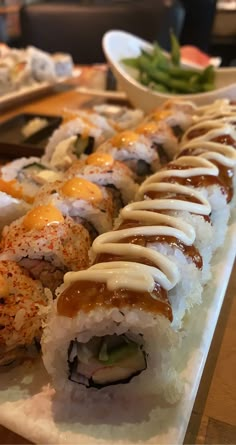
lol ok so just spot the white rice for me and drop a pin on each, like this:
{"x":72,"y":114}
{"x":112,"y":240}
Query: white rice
{"x":188,"y":290}
{"x":159,"y":342}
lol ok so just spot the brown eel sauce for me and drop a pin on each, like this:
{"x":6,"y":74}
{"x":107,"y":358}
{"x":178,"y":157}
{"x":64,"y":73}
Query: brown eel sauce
{"x":88,"y":295}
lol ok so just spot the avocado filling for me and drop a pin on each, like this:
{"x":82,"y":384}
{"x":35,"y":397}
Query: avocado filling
{"x":83,"y":145}
{"x":104,"y":361}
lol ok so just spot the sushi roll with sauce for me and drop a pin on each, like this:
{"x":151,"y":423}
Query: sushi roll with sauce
{"x":177,"y":114}
{"x":20,"y":180}
{"x":142,"y":229}
{"x":22,"y":307}
{"x":202,"y":175}
{"x":47,"y":244}
{"x":93,"y":118}
{"x":214,"y":130}
{"x":82,"y":200}
{"x":71,"y":140}
{"x":121,"y":118}
{"x":215,"y":140}
{"x":134,"y":150}
{"x":104,"y":170}
{"x":108,"y":336}
{"x":15,"y":175}
{"x":161,"y":138}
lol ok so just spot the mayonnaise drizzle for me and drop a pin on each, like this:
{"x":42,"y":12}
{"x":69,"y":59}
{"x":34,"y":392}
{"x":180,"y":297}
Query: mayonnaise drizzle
{"x":141,"y":277}
{"x":130,"y":275}
{"x":214,"y":129}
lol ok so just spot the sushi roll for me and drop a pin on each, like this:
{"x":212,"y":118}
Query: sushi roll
{"x":215,"y":130}
{"x":102,"y":169}
{"x":93,"y":118}
{"x":202,"y":175}
{"x":143,"y":228}
{"x":41,"y":64}
{"x":161,"y":138}
{"x":20,"y":181}
{"x":15,"y":176}
{"x":134,"y":150}
{"x":71,"y":140}
{"x":108,"y":335}
{"x":121,"y":118}
{"x":188,"y":205}
{"x":22,"y":308}
{"x":177,"y":114}
{"x":47,"y":244}
{"x":82,"y":200}
{"x":63,"y":64}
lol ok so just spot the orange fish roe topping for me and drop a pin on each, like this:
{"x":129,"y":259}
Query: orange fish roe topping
{"x":4,"y":288}
{"x":147,"y":128}
{"x":160,"y":114}
{"x":100,"y":160}
{"x":124,"y":138}
{"x":11,"y":188}
{"x":42,"y":216}
{"x":82,"y":189}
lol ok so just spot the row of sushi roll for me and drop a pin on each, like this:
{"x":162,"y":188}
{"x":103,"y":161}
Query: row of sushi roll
{"x":49,"y":217}
{"x":125,"y":307}
{"x":27,"y":67}
{"x":113,"y":328}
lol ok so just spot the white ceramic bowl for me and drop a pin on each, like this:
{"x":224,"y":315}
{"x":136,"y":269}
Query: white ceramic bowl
{"x":119,"y":44}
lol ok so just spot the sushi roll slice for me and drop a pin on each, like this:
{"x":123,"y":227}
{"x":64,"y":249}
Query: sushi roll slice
{"x":121,"y":118}
{"x":41,"y":64}
{"x":102,"y":169}
{"x":188,"y":205}
{"x":177,"y":114}
{"x":203,"y":175}
{"x":161,"y":138}
{"x":108,"y":335}
{"x":82,"y":200}
{"x":71,"y":140}
{"x":47,"y":244}
{"x":215,"y":130}
{"x":23,"y":304}
{"x":15,"y":176}
{"x":143,"y":229}
{"x":63,"y":64}
{"x":134,"y":150}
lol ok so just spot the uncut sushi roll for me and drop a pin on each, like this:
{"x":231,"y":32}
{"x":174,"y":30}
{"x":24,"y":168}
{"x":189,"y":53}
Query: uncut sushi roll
{"x":22,"y":308}
{"x":70,"y":141}
{"x":134,"y":150}
{"x":102,"y":169}
{"x":47,"y":244}
{"x":82,"y":200}
{"x":108,"y":335}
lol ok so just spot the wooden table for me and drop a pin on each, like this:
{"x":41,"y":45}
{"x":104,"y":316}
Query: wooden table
{"x":213,"y":418}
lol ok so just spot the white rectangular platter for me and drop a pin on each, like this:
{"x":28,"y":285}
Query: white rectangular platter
{"x":28,"y":405}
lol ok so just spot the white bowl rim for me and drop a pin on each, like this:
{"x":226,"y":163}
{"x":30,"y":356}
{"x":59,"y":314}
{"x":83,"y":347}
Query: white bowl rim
{"x":118,"y":66}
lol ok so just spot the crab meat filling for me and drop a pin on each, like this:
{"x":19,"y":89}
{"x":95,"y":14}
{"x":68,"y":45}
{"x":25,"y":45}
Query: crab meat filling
{"x":104,"y":361}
